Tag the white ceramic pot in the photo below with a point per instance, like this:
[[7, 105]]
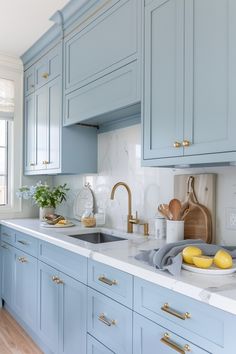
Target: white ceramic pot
[[45, 211], [174, 231]]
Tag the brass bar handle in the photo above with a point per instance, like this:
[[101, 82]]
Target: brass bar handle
[[23, 242], [22, 259], [45, 75], [57, 280], [177, 144], [186, 143], [45, 162], [5, 247], [167, 341], [104, 320], [182, 316], [107, 281]]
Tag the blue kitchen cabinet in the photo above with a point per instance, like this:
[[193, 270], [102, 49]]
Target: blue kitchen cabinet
[[189, 82], [149, 338], [30, 134], [7, 257], [29, 81], [24, 290], [95, 347], [61, 311], [48, 67], [112, 35]]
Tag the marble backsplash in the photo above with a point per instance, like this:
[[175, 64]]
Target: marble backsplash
[[119, 159]]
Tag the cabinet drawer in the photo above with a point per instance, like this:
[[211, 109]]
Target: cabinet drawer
[[27, 243], [48, 67], [165, 306], [148, 335], [68, 262], [8, 235], [95, 347], [110, 322], [112, 282], [29, 81]]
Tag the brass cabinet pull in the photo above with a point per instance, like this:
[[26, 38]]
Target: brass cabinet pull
[[5, 234], [167, 341], [22, 259], [57, 280], [177, 144], [23, 242], [45, 162], [182, 316], [5, 247], [45, 75], [104, 320], [107, 281], [186, 143]]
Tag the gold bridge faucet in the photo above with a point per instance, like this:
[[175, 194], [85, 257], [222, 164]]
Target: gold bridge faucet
[[130, 220]]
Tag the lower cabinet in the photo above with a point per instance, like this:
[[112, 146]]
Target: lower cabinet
[[95, 347], [25, 287], [149, 335], [61, 311], [7, 253]]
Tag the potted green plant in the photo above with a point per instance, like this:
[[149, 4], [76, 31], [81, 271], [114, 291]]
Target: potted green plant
[[46, 197]]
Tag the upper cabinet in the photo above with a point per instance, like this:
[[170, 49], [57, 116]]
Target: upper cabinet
[[50, 148], [102, 62], [189, 82]]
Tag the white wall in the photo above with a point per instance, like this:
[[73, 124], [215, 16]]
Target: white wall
[[119, 154]]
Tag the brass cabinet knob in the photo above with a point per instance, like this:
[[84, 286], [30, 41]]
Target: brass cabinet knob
[[177, 144], [186, 143], [45, 75], [45, 162]]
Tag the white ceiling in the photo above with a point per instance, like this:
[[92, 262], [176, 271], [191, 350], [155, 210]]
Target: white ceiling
[[22, 22]]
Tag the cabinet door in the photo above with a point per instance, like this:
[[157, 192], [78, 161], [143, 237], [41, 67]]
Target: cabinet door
[[25, 287], [163, 79], [148, 337], [48, 306], [95, 347], [30, 133], [210, 78], [41, 109], [55, 123], [29, 83], [73, 310], [7, 272]]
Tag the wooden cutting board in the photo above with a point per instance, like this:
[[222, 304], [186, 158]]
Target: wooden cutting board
[[200, 222]]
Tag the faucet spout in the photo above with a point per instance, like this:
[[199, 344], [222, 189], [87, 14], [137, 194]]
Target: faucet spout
[[129, 217]]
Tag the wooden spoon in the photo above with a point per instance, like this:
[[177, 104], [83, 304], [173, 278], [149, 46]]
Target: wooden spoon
[[164, 210], [175, 207]]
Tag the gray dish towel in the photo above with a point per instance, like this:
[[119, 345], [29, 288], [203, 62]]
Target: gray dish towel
[[169, 257]]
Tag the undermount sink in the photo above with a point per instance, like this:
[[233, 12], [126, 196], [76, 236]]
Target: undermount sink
[[97, 237]]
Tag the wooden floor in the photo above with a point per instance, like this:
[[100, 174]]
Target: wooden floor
[[13, 339]]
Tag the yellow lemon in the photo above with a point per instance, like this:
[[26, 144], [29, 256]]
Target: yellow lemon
[[189, 252], [223, 259], [202, 261]]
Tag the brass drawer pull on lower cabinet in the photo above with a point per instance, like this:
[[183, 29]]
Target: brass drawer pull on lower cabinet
[[5, 247], [23, 242], [22, 259], [166, 340], [107, 281], [57, 280], [104, 320], [182, 316]]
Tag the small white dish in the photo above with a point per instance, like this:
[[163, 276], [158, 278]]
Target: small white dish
[[44, 224], [213, 270]]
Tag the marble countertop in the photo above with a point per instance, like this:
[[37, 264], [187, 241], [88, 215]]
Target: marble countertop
[[218, 291]]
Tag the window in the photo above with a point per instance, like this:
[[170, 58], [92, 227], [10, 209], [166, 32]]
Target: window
[[6, 118], [11, 112]]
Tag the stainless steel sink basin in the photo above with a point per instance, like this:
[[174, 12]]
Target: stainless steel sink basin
[[97, 237]]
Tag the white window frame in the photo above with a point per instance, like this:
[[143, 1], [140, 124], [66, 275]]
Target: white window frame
[[12, 69]]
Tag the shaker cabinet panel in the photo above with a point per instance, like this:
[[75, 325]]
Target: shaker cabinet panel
[[48, 67], [210, 81], [30, 133], [29, 81], [7, 258], [25, 287], [110, 38], [163, 83]]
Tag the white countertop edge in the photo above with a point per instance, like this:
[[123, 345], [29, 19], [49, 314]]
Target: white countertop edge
[[140, 270]]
